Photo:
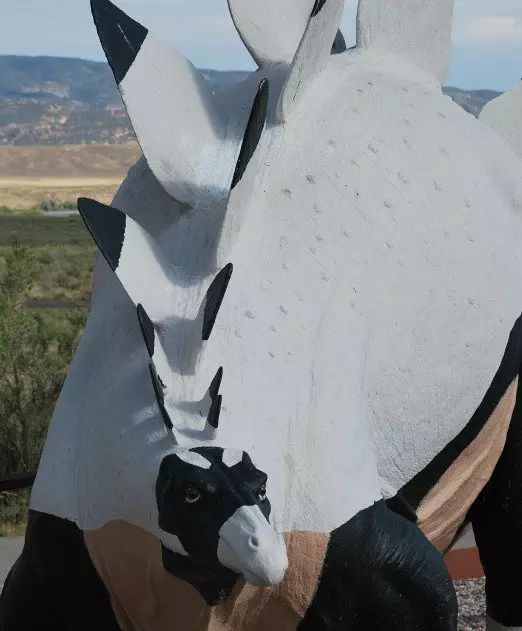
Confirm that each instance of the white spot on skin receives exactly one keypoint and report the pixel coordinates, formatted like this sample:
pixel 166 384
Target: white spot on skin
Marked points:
pixel 232 457
pixel 193 458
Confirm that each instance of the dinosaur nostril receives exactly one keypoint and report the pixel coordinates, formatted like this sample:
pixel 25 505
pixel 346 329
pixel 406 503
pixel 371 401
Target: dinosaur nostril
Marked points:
pixel 254 542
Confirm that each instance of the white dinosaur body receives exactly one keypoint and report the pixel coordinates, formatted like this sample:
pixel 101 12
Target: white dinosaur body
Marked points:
pixel 375 238
pixel 347 276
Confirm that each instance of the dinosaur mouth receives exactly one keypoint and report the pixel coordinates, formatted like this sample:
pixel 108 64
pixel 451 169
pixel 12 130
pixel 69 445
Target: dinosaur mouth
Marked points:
pixel 250 546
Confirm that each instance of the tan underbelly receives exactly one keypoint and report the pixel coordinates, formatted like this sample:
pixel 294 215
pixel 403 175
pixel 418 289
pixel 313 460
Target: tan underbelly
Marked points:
pixel 444 509
pixel 147 598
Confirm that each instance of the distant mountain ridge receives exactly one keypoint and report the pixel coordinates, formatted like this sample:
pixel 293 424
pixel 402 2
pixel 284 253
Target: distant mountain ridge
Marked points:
pixel 88 82
pixel 64 101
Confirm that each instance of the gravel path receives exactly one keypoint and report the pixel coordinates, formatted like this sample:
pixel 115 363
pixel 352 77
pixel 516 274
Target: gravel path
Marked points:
pixel 472 605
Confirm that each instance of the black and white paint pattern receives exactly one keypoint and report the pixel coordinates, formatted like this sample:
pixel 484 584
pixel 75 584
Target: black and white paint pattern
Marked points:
pixel 325 241
pixel 214 500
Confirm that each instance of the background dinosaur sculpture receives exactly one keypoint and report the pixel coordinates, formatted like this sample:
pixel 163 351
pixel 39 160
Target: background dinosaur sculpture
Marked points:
pixel 328 233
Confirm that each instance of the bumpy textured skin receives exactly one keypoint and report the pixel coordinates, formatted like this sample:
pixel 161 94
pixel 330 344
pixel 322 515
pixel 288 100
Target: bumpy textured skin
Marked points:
pixel 375 237
pixel 380 572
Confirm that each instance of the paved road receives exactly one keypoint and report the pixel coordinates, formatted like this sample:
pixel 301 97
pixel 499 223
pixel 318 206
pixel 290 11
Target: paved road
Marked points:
pixel 10 549
pixel 60 213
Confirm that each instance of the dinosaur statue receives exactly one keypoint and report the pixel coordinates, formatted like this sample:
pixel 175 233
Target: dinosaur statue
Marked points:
pixel 308 293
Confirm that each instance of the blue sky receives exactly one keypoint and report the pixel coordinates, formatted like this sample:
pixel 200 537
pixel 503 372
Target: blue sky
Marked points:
pixel 487 34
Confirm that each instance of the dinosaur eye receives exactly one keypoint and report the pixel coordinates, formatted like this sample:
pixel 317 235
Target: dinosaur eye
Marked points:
pixel 192 494
pixel 262 493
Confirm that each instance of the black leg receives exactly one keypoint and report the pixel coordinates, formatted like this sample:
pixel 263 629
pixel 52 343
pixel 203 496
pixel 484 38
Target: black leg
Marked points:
pixel 381 573
pixel 53 586
pixel 497 522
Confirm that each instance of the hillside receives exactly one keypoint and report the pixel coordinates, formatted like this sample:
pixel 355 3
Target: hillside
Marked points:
pixel 71 162
pixel 471 100
pixel 61 101
pixel 30 176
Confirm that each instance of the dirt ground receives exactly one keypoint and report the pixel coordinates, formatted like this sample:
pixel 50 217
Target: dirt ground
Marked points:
pixel 19 196
pixel 32 175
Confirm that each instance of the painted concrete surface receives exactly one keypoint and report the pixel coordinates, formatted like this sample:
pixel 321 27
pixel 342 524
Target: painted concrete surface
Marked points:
pixel 467 541
pixel 10 550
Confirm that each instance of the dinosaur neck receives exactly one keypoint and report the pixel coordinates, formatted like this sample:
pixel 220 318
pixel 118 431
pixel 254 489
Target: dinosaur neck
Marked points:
pixel 212 580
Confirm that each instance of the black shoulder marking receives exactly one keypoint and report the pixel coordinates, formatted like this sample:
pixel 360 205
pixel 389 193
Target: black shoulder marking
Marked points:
pixel 339 45
pixel 399 505
pixel 420 485
pixel 120 36
pixel 215 411
pixel 54 584
pixel 216 383
pixel 160 397
pixel 319 4
pixel 381 574
pixel 147 329
pixel 107 228
pixel 253 131
pixel 214 298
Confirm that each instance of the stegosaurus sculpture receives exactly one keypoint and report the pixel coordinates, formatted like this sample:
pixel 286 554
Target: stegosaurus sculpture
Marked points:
pixel 324 261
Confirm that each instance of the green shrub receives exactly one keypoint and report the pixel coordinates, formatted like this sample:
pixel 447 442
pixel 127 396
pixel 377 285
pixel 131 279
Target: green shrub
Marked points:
pixel 35 352
pixel 52 204
pixel 13 507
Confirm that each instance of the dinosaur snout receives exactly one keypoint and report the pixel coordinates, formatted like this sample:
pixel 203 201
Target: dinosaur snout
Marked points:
pixel 250 546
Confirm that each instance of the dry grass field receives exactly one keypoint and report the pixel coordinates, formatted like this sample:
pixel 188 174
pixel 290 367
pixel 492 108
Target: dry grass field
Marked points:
pixel 63 250
pixel 32 175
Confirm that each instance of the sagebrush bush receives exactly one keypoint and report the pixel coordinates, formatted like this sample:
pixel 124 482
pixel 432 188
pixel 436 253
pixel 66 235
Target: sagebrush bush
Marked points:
pixel 35 353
